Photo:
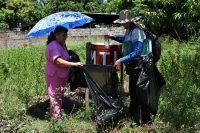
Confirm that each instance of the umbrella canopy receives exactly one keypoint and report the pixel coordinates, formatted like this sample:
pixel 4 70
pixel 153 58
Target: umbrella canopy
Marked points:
pixel 67 19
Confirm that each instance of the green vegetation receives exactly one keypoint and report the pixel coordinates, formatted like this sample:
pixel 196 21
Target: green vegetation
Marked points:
pixel 22 86
pixel 180 65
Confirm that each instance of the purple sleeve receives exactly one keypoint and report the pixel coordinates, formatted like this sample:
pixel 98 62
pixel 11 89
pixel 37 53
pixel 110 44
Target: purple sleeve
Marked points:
pixel 54 52
pixel 135 53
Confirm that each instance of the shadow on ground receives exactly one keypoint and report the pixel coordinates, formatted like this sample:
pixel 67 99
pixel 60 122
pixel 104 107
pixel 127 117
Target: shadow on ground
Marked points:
pixel 41 110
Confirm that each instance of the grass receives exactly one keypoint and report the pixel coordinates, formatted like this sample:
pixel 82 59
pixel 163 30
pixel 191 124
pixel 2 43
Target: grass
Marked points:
pixel 22 88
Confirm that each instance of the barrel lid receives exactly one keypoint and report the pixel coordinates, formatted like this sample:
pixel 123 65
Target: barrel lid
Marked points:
pixel 97 43
pixel 101 43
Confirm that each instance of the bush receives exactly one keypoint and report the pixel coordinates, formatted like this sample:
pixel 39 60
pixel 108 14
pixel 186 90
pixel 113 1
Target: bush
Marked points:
pixel 3 26
pixel 180 65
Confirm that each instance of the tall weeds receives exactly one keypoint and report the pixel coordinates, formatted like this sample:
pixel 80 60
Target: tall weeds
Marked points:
pixel 22 76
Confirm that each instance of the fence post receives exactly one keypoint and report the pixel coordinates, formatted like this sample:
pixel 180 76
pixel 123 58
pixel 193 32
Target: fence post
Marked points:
pixel 6 43
pixel 29 42
pixel 86 98
pixel 88 61
pixel 122 78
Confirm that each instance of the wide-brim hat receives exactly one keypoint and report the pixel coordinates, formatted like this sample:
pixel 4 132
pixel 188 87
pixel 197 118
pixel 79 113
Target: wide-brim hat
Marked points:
pixel 127 16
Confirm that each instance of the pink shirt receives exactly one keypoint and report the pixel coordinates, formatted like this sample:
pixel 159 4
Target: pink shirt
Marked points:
pixel 53 51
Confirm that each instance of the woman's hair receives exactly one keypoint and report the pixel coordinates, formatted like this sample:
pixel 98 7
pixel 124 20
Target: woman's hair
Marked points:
pixel 58 29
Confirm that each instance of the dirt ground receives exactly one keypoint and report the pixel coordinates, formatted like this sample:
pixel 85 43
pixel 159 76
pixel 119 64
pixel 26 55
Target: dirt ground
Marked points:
pixel 39 108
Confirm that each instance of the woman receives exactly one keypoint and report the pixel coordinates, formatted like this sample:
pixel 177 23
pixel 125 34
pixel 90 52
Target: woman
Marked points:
pixel 57 69
pixel 132 47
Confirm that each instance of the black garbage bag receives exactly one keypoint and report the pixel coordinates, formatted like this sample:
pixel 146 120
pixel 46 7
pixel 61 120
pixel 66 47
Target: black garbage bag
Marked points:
pixel 105 76
pixel 108 107
pixel 77 78
pixel 149 85
pixel 102 82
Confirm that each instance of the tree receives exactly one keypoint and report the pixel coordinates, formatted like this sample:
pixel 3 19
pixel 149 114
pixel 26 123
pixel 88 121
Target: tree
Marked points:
pixel 178 18
pixel 12 12
pixel 53 6
pixel 118 5
pixel 3 24
pixel 22 12
pixel 95 7
pixel 30 13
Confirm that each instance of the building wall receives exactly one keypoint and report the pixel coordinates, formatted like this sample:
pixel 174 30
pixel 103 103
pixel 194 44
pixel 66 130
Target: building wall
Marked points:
pixel 9 39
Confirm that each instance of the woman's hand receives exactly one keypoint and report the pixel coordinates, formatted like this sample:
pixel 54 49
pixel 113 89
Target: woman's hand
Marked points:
pixel 63 63
pixel 117 64
pixel 77 64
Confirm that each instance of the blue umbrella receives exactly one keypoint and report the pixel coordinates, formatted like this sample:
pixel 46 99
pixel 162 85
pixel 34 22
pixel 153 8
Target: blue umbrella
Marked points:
pixel 67 19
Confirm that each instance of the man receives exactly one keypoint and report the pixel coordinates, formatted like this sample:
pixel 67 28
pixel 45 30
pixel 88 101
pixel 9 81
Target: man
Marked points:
pixel 132 48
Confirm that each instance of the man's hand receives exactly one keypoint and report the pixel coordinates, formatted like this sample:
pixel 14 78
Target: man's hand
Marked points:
pixel 117 64
pixel 108 36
